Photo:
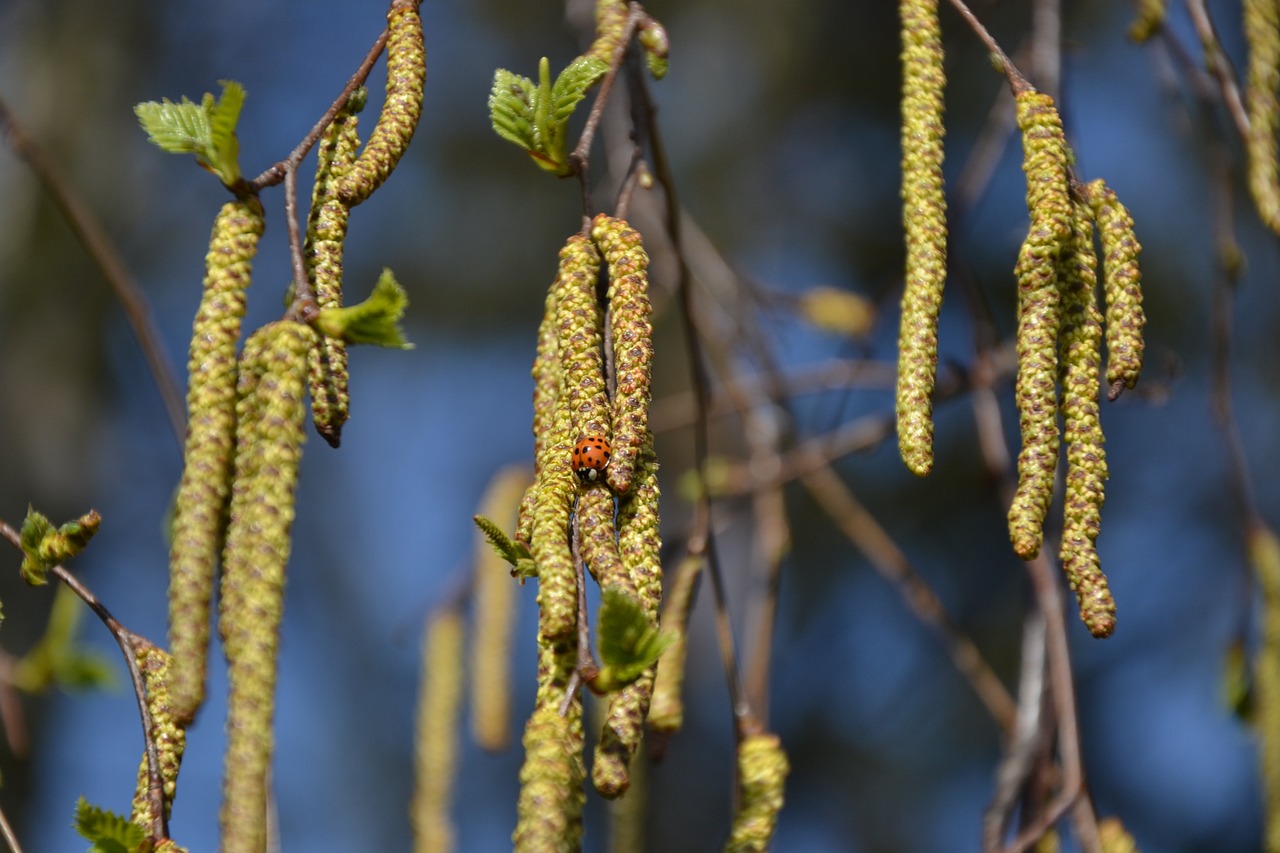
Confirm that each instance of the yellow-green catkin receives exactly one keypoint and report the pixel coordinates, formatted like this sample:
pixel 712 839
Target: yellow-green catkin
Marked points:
pixel 547 379
pixel 406 77
pixel 580 325
pixel 666 711
pixel 1122 285
pixel 632 334
pixel 581 408
pixel 493 617
pixel 269 437
pixel 170 737
pixel 1150 19
pixel 207 458
pixel 924 216
pixel 1262 102
pixel 762 776
pixel 611 25
pixel 1114 838
pixel 1081 368
pixel 436 736
pixel 639 543
pixel 598 539
pixel 326 235
pixel 1045 163
pixel 1264 554
pixel 549 807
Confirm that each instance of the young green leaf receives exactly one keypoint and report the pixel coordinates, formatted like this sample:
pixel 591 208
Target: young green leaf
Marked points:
pixel 44 547
pixel 207 129
pixel 515 553
pixel 224 114
pixel 108 832
pixel 628 643
pixel 572 85
pixel 373 321
pixel 511 108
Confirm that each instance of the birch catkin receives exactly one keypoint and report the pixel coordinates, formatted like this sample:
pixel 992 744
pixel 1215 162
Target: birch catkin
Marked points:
pixel 436 735
pixel 924 215
pixel 762 775
pixel 406 77
pixel 1262 102
pixel 1045 163
pixel 639 544
pixel 326 235
pixel 1081 345
pixel 1122 284
pixel 269 437
pixel 632 334
pixel 167 732
pixel 207 458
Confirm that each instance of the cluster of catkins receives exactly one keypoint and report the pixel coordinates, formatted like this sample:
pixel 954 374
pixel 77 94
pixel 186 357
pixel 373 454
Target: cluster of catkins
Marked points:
pixel 618 542
pixel 245 434
pixel 1059 323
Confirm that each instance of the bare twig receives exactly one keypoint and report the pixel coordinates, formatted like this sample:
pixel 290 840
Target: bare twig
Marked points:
pixel 6 831
pixel 1016 80
pixel 277 172
pixel 130 644
pixel 88 230
pixel 579 157
pixel 1219 65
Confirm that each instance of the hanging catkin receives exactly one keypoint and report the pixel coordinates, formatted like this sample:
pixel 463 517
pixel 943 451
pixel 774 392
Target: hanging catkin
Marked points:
pixel 200 507
pixel 1262 102
pixel 406 77
pixel 1045 163
pixel 1122 284
pixel 269 436
pixel 1081 366
pixel 924 215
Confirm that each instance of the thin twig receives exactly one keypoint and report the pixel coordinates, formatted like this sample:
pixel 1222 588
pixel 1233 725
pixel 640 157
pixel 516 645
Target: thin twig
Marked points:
pixel 579 158
pixel 1219 65
pixel 1016 80
pixel 88 230
pixel 586 669
pixel 10 837
pixel 861 528
pixel 277 172
pixel 701 541
pixel 304 299
pixel 129 643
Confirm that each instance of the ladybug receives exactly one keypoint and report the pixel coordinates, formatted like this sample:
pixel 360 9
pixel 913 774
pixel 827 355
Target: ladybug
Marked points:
pixel 590 455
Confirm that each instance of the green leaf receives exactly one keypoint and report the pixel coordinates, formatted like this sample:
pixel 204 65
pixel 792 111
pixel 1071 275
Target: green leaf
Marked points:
pixel 627 642
pixel 515 553
pixel 373 321
pixel 511 108
pixel 108 832
pixel 36 528
pixel 224 115
pixel 207 129
pixel 181 128
pixel 572 86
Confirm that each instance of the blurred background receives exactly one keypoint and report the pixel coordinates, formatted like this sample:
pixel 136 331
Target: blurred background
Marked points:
pixel 781 123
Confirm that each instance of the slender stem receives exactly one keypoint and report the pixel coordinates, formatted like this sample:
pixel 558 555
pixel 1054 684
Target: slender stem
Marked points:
pixel 579 157
pixel 88 230
pixel 1016 80
pixel 586 668
pixel 129 643
pixel 10 837
pixel 1219 65
pixel 701 541
pixel 304 298
pixel 277 172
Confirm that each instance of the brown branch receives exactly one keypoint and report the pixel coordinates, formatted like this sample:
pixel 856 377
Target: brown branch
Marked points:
pixel 6 831
pixel 1015 77
pixel 579 158
pixel 1219 65
pixel 586 668
pixel 701 541
pixel 88 230
pixel 129 644
pixel 277 172
pixel 866 534
pixel 303 307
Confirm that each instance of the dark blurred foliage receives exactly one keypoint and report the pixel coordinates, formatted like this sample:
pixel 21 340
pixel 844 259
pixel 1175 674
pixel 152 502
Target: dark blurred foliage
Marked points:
pixel 781 122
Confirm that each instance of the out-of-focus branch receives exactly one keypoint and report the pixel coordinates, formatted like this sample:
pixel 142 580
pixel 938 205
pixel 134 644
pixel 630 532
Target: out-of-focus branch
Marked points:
pixel 88 230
